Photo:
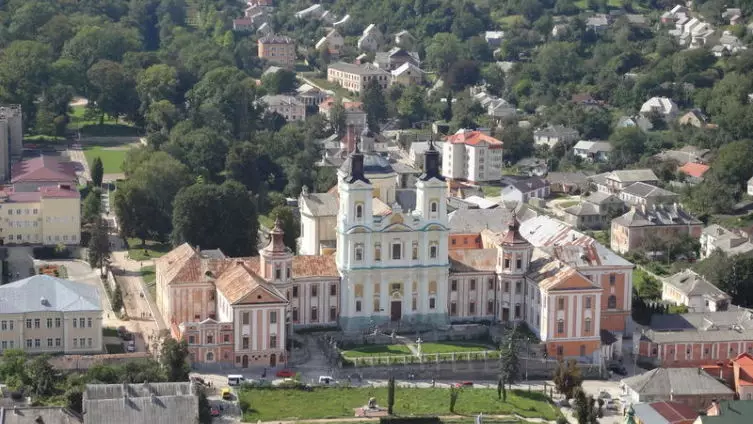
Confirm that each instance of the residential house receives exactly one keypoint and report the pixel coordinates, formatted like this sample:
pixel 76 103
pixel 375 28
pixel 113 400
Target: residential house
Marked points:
pixel 355 78
pixel 45 315
pixel 663 412
pixel 594 151
pixel 642 194
pixel 39 415
pixel 686 154
pixel 310 95
pixel 496 108
pixel 405 39
pixel 727 412
pixel 568 182
pixel 598 22
pixel 243 25
pixel 662 107
pixel 472 156
pixel 750 186
pixel 639 121
pixel 522 190
pixel 371 39
pixel 616 181
pixel 315 11
pixel 696 339
pixel 532 167
pixel 731 42
pixel 407 74
pixel 677 12
pixel 731 242
pixel 733 15
pixel 695 118
pixel 157 403
pixel 494 38
pixel 333 42
pixel 594 212
pixel 692 290
pixel 645 226
pixel 395 58
pixel 277 49
pixel 690 386
pixel 694 172
pixel 554 134
pixel 288 107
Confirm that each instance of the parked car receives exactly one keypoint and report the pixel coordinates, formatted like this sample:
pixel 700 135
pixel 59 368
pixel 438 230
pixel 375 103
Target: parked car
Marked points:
pixel 617 368
pixel 285 373
pixel 226 393
pixel 464 384
pixel 325 379
pixel 131 347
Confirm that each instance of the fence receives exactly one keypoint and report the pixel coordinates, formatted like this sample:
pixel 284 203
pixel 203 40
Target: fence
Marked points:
pixel 365 361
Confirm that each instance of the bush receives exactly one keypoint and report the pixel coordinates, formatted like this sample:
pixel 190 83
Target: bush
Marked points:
pixel 51 252
pixel 410 420
pixel 244 405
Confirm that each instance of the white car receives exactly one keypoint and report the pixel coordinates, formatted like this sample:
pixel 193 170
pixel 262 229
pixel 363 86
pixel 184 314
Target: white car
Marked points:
pixel 131 346
pixel 325 379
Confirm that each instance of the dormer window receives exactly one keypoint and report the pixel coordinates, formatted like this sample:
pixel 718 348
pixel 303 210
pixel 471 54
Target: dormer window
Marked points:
pixel 359 211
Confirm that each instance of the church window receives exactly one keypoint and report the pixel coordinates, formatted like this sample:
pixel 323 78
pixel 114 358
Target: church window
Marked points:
pixel 507 263
pixel 454 285
pixel 582 350
pixel 287 273
pixel 314 291
pixel 588 302
pixel 295 292
pixel 453 308
pixel 359 253
pixel 359 211
pixel 473 284
pixel 415 250
pixel 518 263
pixel 358 306
pixel 490 307
pixel 517 311
pixel 491 284
pixel 612 279
pixel 377 307
pixel 612 302
pixel 314 314
pixel 433 207
pixel 587 327
pixel 295 315
pixel 507 287
pixel 560 326
pixel 245 318
pixel 396 251
pixel 432 303
pixel 518 286
pixel 377 252
pixel 333 313
pixel 433 251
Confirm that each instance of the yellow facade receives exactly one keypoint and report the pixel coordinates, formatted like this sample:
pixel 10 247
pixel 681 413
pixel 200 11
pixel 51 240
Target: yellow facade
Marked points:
pixel 46 220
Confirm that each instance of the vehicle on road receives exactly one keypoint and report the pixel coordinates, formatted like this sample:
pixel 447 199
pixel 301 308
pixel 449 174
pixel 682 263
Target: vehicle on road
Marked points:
pixel 464 384
pixel 235 379
pixel 131 346
pixel 325 379
pixel 226 393
pixel 285 373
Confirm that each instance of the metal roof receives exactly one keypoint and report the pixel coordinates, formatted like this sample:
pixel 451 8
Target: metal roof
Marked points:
pixel 153 403
pixel 677 382
pixel 43 293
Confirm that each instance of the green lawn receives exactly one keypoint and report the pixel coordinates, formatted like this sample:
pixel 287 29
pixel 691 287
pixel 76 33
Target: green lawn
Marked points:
pixel 449 347
pixel 509 21
pixel 583 4
pixel 289 404
pixel 89 125
pixel 491 191
pixel 149 276
pixel 567 204
pixel 152 250
pixel 111 159
pixel 377 350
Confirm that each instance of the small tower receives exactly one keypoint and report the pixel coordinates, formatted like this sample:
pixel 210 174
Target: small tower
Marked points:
pixel 431 188
pixel 513 252
pixel 276 258
pixel 356 193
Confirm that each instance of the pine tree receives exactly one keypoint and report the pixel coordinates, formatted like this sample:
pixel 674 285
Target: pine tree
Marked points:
pixel 509 359
pixel 99 246
pixel 374 104
pixel 390 395
pixel 97 171
pixel 567 378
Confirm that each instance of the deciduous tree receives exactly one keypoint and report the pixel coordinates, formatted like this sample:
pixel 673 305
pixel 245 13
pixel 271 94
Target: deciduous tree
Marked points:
pixel 374 104
pixel 173 359
pixel 567 378
pixel 99 245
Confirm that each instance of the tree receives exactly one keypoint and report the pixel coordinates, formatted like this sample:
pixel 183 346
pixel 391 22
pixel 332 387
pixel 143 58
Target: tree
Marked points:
pixel 282 81
pixel 216 216
pixel 92 207
pixel 567 377
pixel 99 246
pixel 454 393
pixel 444 50
pixel 462 74
pixel 97 172
pixel 173 359
pixel 41 376
pixel 558 62
pixel 158 82
pixel 732 164
pixel 509 358
pixel 117 299
pixel 205 409
pixel 586 411
pixel 338 117
pixel 390 394
pixel 290 225
pixel 374 104
pixel 111 89
pixel 24 71
pixel 627 144
pixel 411 106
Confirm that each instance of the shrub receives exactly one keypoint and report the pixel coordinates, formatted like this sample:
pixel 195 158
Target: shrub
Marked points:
pixel 244 405
pixel 409 420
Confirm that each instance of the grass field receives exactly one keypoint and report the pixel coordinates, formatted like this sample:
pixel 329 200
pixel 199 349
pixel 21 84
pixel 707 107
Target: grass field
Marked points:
pixel 270 404
pixel 449 347
pixel 90 126
pixel 150 277
pixel 111 159
pixel 152 250
pixel 377 350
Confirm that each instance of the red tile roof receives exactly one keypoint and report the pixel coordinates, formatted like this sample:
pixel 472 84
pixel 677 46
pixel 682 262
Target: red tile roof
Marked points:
pixel 474 138
pixel 694 169
pixel 675 412
pixel 43 168
pixel 59 191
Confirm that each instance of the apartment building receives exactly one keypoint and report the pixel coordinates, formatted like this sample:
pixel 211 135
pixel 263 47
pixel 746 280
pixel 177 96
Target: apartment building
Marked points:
pixel 647 227
pixel 356 77
pixel 277 49
pixel 44 314
pixel 288 107
pixel 472 156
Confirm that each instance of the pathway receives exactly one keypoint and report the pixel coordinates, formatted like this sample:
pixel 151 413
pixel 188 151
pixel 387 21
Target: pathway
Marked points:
pixel 442 417
pixel 76 154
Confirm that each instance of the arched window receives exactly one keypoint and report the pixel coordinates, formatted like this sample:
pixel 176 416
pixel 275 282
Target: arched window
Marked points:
pixel 359 211
pixel 210 356
pixel 433 207
pixel 612 302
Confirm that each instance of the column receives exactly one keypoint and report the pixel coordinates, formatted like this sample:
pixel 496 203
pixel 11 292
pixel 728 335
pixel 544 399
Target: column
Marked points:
pixel 408 295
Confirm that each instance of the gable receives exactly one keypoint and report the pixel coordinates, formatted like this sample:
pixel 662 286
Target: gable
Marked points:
pixel 260 295
pixel 568 280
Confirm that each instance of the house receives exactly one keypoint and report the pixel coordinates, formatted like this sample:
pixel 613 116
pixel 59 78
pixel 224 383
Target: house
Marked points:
pixel 733 15
pixel 644 226
pixel 635 121
pixel 333 42
pixel 616 181
pixel 696 339
pixel 568 182
pixel 642 194
pixel 157 403
pixel 560 30
pixel 598 22
pixel 521 190
pixel 405 39
pixel 494 38
pixel 243 25
pixel 310 95
pixel 695 118
pixel 312 12
pixel 663 412
pixel 277 49
pixel 690 386
pixel 594 151
pixel 371 39
pixel 496 108
pixel 39 415
pixel 636 20
pixel 677 12
pixel 288 107
pixel 686 154
pixel 727 412
pixel 355 78
pixel 750 186
pixel 472 156
pixel 692 290
pixel 715 237
pixel 737 373
pixel 44 314
pixel 594 212
pixel 554 134
pixel 396 57
pixel 662 107
pixel 407 74
pixel 532 167
pixel 693 171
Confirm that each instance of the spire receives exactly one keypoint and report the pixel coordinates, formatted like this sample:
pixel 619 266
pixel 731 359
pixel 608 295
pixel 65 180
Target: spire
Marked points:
pixel 431 163
pixel 512 235
pixel 276 243
pixel 356 169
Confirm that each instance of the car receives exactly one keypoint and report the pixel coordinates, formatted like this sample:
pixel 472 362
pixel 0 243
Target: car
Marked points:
pixel 215 412
pixel 325 379
pixel 226 393
pixel 285 373
pixel 464 384
pixel 618 369
pixel 130 348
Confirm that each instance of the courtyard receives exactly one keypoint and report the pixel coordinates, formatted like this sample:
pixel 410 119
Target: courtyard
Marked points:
pixel 427 348
pixel 288 404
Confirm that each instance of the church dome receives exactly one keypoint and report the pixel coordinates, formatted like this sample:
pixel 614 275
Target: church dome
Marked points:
pixel 373 163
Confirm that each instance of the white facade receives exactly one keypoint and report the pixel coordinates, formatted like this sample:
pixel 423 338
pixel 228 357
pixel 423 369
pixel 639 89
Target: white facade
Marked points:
pixel 472 156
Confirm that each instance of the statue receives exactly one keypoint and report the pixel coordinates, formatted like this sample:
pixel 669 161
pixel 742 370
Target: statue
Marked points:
pixel 419 342
pixel 372 403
